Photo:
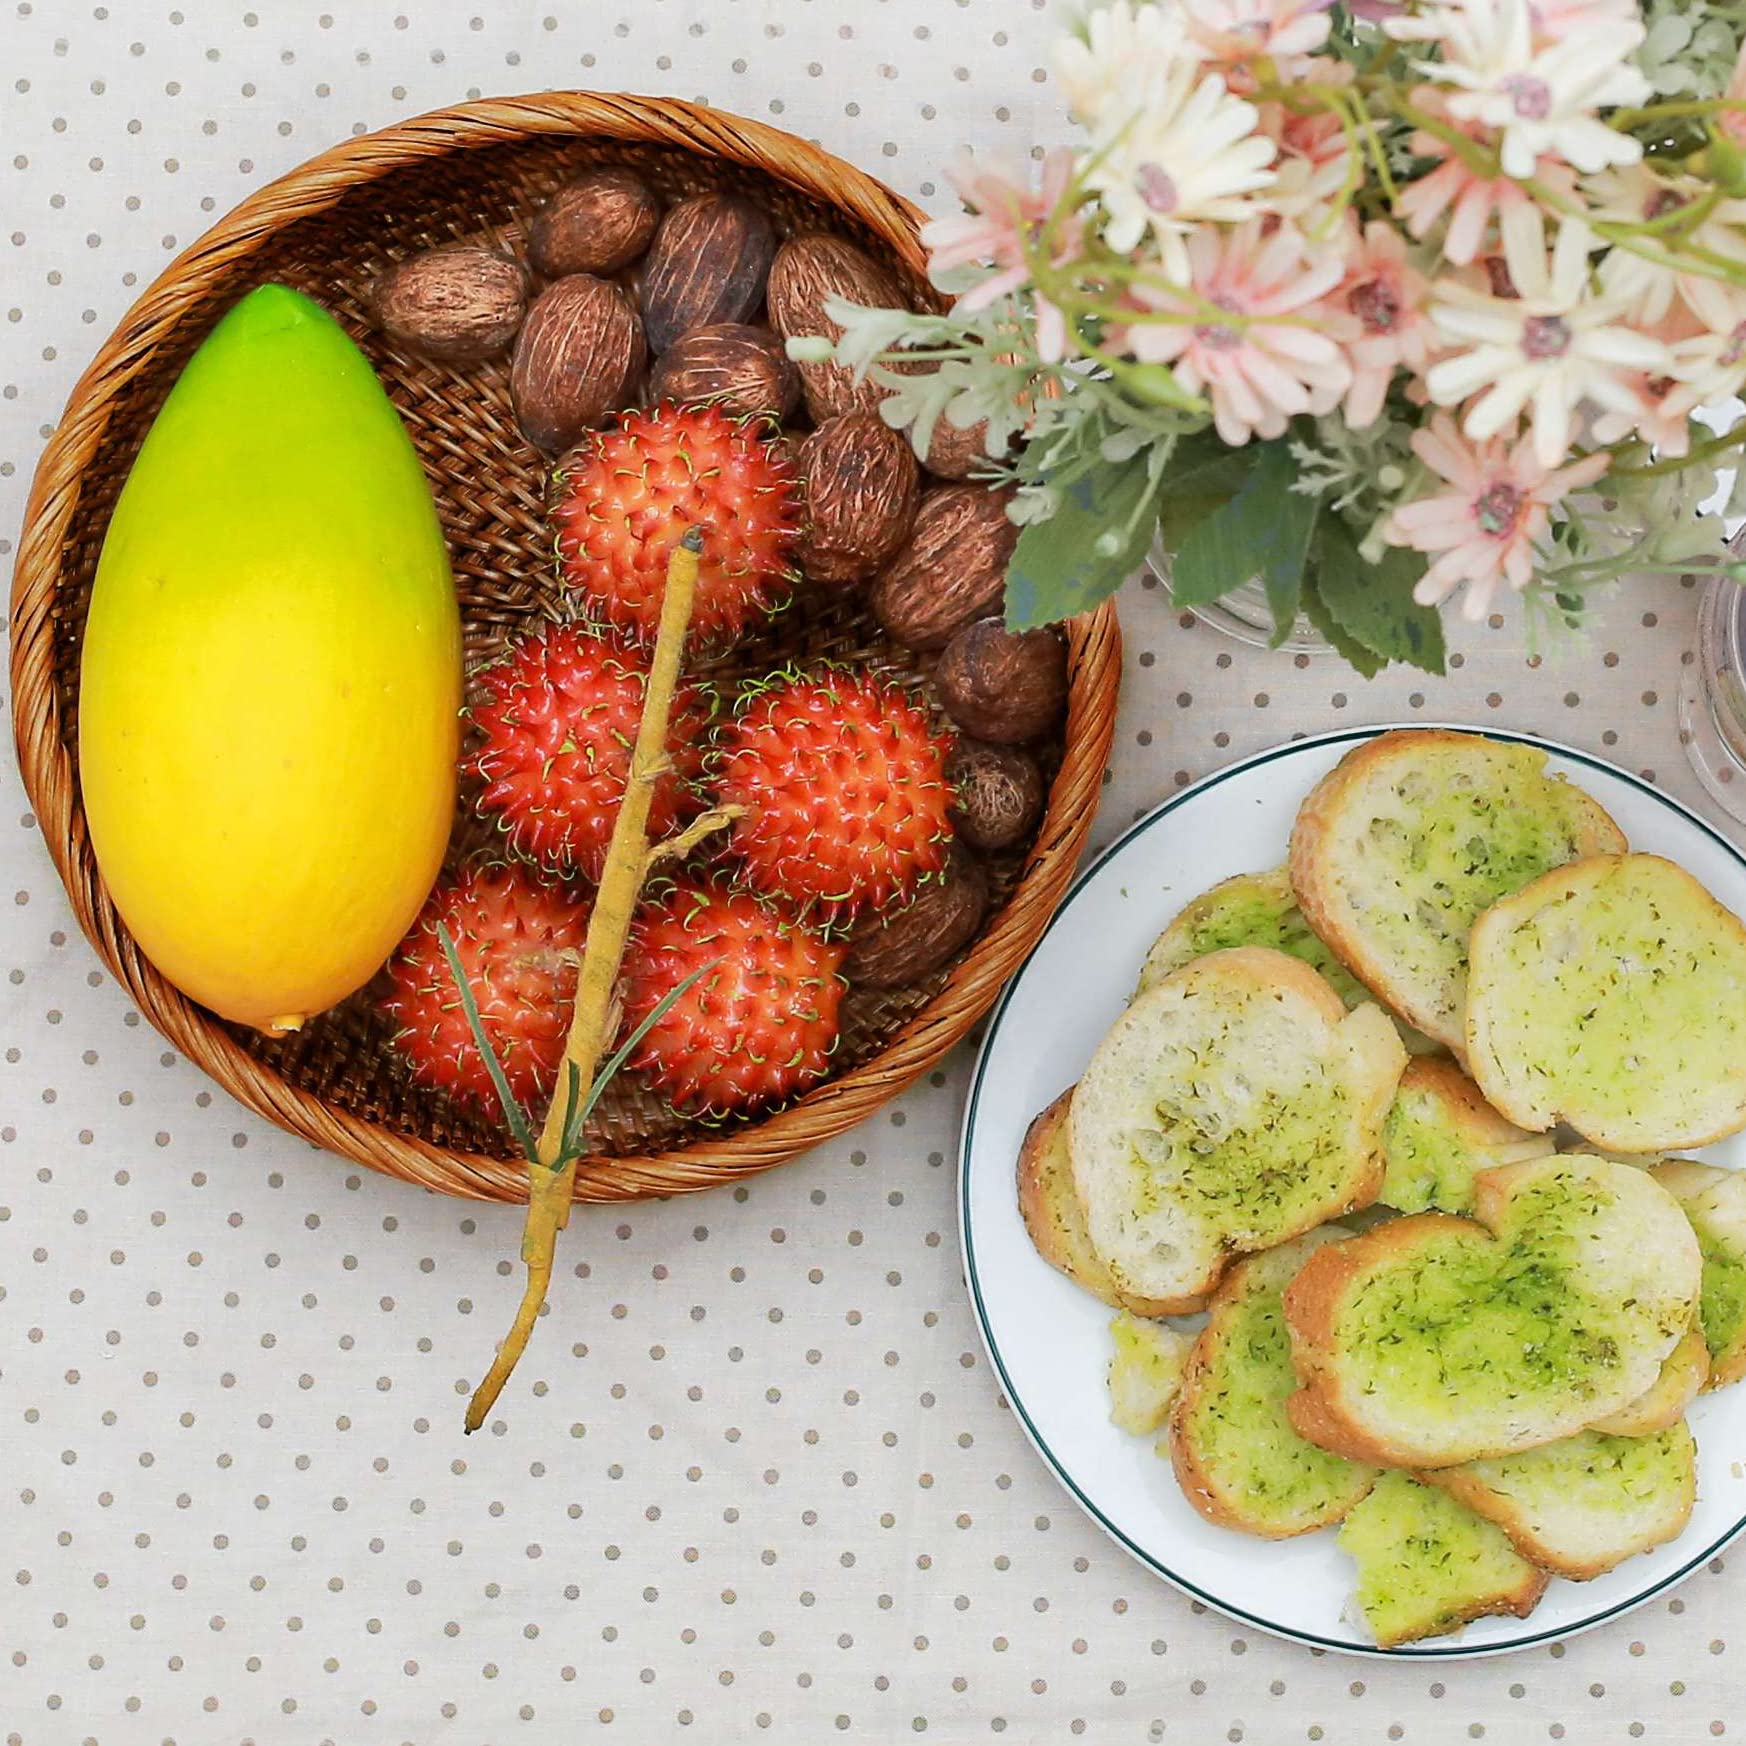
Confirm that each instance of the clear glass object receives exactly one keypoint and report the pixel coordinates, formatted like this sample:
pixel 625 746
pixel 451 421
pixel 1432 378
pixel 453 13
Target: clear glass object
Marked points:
pixel 1712 695
pixel 1243 612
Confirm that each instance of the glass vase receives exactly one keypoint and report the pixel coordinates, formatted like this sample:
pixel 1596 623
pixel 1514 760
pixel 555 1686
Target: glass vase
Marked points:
pixel 1243 613
pixel 1712 696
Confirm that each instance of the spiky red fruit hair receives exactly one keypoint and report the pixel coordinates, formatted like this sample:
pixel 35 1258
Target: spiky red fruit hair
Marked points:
pixel 519 938
pixel 555 726
pixel 627 492
pixel 760 1025
pixel 842 780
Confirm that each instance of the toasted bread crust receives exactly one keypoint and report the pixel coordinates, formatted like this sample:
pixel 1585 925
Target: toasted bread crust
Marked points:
pixel 1332 1410
pixel 1049 1206
pixel 1181 1275
pixel 1493 1579
pixel 1200 1483
pixel 1530 1098
pixel 1312 1306
pixel 1315 841
pixel 1465 1103
pixel 1485 1138
pixel 1685 1181
pixel 1517 1603
pixel 1539 1546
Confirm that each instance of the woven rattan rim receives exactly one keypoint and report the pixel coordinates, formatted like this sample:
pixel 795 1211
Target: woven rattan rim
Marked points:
pixel 38 601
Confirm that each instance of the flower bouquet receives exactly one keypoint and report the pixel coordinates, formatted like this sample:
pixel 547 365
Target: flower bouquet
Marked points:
pixel 1378 304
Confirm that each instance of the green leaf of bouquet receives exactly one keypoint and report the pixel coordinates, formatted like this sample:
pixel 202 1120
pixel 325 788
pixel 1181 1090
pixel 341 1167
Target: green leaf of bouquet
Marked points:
pixel 1205 465
pixel 1057 569
pixel 1263 531
pixel 1204 474
pixel 1373 603
pixel 1364 661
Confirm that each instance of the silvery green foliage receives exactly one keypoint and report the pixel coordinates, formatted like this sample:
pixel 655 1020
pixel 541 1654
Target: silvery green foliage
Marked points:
pixel 1690 50
pixel 1362 473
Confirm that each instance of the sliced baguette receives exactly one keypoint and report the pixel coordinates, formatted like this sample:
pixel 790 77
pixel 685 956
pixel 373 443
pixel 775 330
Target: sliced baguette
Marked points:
pixel 1409 837
pixel 1236 1455
pixel 1145 1372
pixel 1235 1104
pixel 1440 1134
pixel 1715 1201
pixel 1611 994
pixel 1582 1505
pixel 1049 1205
pixel 1684 1373
pixel 1428 1565
pixel 1435 1340
pixel 1257 909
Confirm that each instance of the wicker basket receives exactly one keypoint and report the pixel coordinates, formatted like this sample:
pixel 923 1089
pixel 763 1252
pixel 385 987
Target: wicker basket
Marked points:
pixel 329 228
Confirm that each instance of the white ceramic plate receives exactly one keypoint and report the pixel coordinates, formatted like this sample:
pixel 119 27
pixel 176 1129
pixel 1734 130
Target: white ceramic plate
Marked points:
pixel 1048 1339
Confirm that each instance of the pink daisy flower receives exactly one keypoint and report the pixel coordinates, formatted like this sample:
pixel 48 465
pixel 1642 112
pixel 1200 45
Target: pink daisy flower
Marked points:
pixel 1240 30
pixel 1314 158
pixel 1006 216
pixel 1473 204
pixel 1659 418
pixel 1275 362
pixel 1378 314
pixel 1553 20
pixel 1483 529
pixel 1732 122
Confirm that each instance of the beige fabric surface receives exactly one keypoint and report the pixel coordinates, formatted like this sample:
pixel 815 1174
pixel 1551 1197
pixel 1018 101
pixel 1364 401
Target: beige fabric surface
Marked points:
pixel 754 1481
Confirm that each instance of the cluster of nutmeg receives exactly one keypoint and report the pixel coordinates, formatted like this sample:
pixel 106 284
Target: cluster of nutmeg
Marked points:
pixel 647 354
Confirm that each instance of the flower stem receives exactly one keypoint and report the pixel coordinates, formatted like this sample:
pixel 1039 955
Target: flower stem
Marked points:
pixel 1717 445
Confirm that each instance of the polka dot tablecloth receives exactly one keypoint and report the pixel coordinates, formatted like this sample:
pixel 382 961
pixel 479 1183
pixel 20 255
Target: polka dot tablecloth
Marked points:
pixel 754 1480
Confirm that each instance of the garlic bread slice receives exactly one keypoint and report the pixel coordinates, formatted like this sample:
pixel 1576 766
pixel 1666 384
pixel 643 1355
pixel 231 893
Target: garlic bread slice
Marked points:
pixel 1427 1564
pixel 1049 1206
pixel 1257 909
pixel 1611 994
pixel 1233 1105
pixel 1236 1455
pixel 1584 1504
pixel 1684 1374
pixel 1440 1134
pixel 1145 1372
pixel 1434 1340
pixel 1715 1201
pixel 1410 836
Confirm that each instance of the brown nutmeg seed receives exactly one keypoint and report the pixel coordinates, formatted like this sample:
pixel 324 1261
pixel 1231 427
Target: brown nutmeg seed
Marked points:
pixel 742 369
pixel 956 454
pixel 861 484
pixel 806 271
pixel 897 949
pixel 596 224
pixel 998 794
pixel 1001 685
pixel 707 264
pixel 951 570
pixel 580 356
pixel 460 306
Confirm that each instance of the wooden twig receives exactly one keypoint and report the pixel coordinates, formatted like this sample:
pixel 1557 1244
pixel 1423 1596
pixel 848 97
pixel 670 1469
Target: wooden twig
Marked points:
pixel 552 1173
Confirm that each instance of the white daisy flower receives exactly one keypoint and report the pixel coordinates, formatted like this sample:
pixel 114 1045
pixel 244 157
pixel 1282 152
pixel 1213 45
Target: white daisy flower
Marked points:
pixel 1129 50
pixel 1636 194
pixel 1541 99
pixel 1711 366
pixel 1172 147
pixel 1548 350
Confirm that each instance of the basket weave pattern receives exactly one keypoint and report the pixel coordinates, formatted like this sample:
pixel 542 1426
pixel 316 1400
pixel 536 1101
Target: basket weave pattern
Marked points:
pixel 476 173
